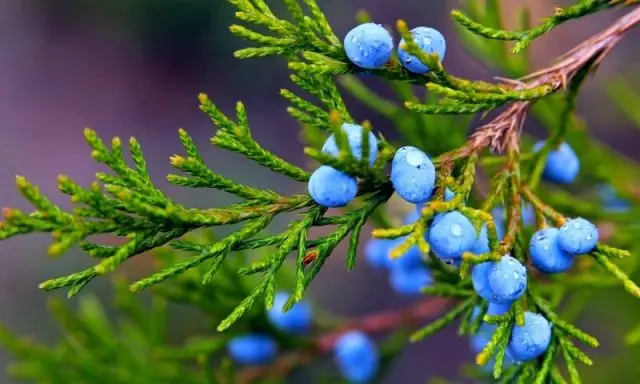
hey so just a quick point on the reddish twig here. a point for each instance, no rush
(504, 131)
(372, 324)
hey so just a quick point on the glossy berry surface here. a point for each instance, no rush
(368, 45)
(331, 188)
(252, 349)
(376, 252)
(428, 40)
(562, 166)
(354, 137)
(480, 280)
(451, 234)
(546, 254)
(507, 280)
(532, 339)
(356, 356)
(296, 320)
(413, 175)
(578, 236)
(410, 281)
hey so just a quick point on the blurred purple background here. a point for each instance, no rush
(135, 67)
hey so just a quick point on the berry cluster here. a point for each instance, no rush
(451, 234)
(370, 46)
(331, 188)
(356, 355)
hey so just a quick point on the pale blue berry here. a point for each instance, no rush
(578, 236)
(413, 175)
(331, 188)
(428, 40)
(481, 245)
(368, 45)
(507, 280)
(448, 195)
(296, 320)
(562, 166)
(412, 217)
(610, 199)
(252, 349)
(480, 280)
(410, 281)
(412, 258)
(479, 341)
(532, 339)
(376, 252)
(357, 357)
(493, 309)
(354, 137)
(496, 309)
(451, 234)
(546, 254)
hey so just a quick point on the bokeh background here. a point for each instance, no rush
(135, 67)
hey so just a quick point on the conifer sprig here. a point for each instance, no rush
(525, 37)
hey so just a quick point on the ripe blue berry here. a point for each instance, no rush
(610, 199)
(368, 45)
(252, 349)
(480, 280)
(412, 217)
(412, 258)
(546, 254)
(376, 252)
(507, 280)
(413, 175)
(493, 309)
(562, 165)
(496, 309)
(578, 236)
(481, 245)
(297, 320)
(354, 137)
(410, 281)
(428, 40)
(451, 234)
(331, 188)
(532, 339)
(356, 356)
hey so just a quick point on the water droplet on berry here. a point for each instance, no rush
(515, 275)
(354, 39)
(589, 237)
(456, 230)
(407, 60)
(426, 40)
(546, 247)
(366, 54)
(414, 159)
(577, 225)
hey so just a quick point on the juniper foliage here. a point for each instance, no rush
(196, 269)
